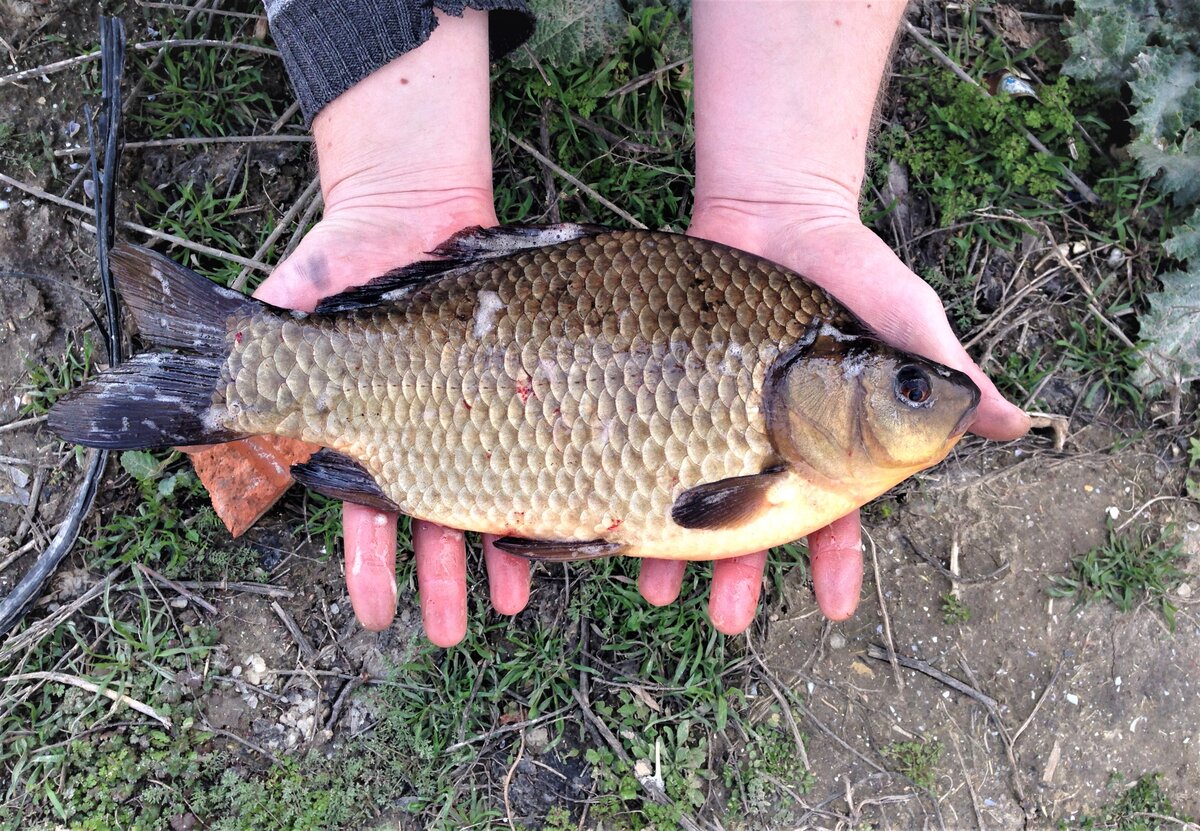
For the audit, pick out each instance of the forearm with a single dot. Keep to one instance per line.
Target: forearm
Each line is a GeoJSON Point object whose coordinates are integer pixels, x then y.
{"type": "Point", "coordinates": [785, 96]}
{"type": "Point", "coordinates": [414, 130]}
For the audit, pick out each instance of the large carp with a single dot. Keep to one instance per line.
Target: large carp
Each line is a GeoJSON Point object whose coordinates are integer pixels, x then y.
{"type": "Point", "coordinates": [577, 390]}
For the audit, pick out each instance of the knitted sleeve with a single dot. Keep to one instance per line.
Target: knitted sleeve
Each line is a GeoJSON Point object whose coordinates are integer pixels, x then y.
{"type": "Point", "coordinates": [330, 45]}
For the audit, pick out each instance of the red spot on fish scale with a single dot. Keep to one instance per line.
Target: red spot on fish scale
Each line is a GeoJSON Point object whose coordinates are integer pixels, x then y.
{"type": "Point", "coordinates": [616, 523]}
{"type": "Point", "coordinates": [524, 390]}
{"type": "Point", "coordinates": [466, 403]}
{"type": "Point", "coordinates": [238, 338]}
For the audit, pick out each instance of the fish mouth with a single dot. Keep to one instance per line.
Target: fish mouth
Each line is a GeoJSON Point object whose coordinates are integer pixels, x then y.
{"type": "Point", "coordinates": [968, 417]}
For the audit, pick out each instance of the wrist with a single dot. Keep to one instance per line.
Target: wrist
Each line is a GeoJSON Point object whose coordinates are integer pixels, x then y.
{"type": "Point", "coordinates": [413, 130]}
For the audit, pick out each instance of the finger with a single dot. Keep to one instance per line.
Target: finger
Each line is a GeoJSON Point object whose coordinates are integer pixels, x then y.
{"type": "Point", "coordinates": [508, 578]}
{"type": "Point", "coordinates": [659, 581]}
{"type": "Point", "coordinates": [835, 556]}
{"type": "Point", "coordinates": [370, 564]}
{"type": "Point", "coordinates": [736, 585]}
{"type": "Point", "coordinates": [441, 556]}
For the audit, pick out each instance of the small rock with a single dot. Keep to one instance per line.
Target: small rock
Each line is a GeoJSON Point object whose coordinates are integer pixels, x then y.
{"type": "Point", "coordinates": [179, 602]}
{"type": "Point", "coordinates": [1184, 590]}
{"type": "Point", "coordinates": [1072, 698]}
{"type": "Point", "coordinates": [537, 739]}
{"type": "Point", "coordinates": [256, 669]}
{"type": "Point", "coordinates": [837, 641]}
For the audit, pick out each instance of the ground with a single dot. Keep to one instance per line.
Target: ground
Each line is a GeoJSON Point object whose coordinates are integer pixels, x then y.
{"type": "Point", "coordinates": [1046, 711]}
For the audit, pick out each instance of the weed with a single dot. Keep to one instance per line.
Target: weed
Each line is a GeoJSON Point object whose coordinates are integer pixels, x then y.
{"type": "Point", "coordinates": [51, 380]}
{"type": "Point", "coordinates": [1126, 569]}
{"type": "Point", "coordinates": [771, 759]}
{"type": "Point", "coordinates": [916, 759]}
{"type": "Point", "coordinates": [954, 610]}
{"type": "Point", "coordinates": [1144, 807]}
{"type": "Point", "coordinates": [204, 91]}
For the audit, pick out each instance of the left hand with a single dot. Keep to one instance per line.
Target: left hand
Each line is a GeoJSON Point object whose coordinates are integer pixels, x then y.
{"type": "Point", "coordinates": [856, 266]}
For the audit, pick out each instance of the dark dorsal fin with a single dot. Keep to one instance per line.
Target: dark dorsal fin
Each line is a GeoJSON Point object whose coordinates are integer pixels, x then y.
{"type": "Point", "coordinates": [558, 551]}
{"type": "Point", "coordinates": [338, 476]}
{"type": "Point", "coordinates": [468, 246]}
{"type": "Point", "coordinates": [726, 503]}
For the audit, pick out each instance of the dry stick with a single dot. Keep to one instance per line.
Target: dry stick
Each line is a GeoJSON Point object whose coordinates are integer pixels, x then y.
{"type": "Point", "coordinates": [147, 45]}
{"type": "Point", "coordinates": [880, 654]}
{"type": "Point", "coordinates": [315, 205]}
{"type": "Point", "coordinates": [970, 787]}
{"type": "Point", "coordinates": [946, 61]}
{"type": "Point", "coordinates": [179, 7]}
{"type": "Point", "coordinates": [302, 202]}
{"type": "Point", "coordinates": [306, 649]}
{"type": "Point", "coordinates": [655, 793]}
{"type": "Point", "coordinates": [508, 781]}
{"type": "Point", "coordinates": [25, 422]}
{"type": "Point", "coordinates": [887, 623]}
{"type": "Point", "coordinates": [47, 69]}
{"type": "Point", "coordinates": [178, 588]}
{"type": "Point", "coordinates": [950, 575]}
{"type": "Point", "coordinates": [785, 708]}
{"type": "Point", "coordinates": [1041, 700]}
{"type": "Point", "coordinates": [1014, 772]}
{"type": "Point", "coordinates": [244, 743]}
{"type": "Point", "coordinates": [199, 140]}
{"type": "Point", "coordinates": [44, 627]}
{"type": "Point", "coordinates": [24, 549]}
{"type": "Point", "coordinates": [508, 728]}
{"type": "Point", "coordinates": [63, 678]}
{"type": "Point", "coordinates": [339, 703]}
{"type": "Point", "coordinates": [35, 496]}
{"type": "Point", "coordinates": [133, 226]}
{"type": "Point", "coordinates": [642, 80]}
{"type": "Point", "coordinates": [590, 191]}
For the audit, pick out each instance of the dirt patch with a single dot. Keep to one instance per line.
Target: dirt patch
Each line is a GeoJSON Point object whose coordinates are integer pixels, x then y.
{"type": "Point", "coordinates": [1097, 692]}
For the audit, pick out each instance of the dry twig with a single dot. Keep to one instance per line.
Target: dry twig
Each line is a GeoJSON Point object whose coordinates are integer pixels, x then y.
{"type": "Point", "coordinates": [74, 681]}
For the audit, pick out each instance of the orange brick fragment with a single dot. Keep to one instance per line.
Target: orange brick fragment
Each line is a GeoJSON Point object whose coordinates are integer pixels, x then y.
{"type": "Point", "coordinates": [245, 478]}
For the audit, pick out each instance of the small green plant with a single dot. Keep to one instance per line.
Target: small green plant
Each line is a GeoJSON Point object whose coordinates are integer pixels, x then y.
{"type": "Point", "coordinates": [51, 380]}
{"type": "Point", "coordinates": [916, 759]}
{"type": "Point", "coordinates": [1143, 807]}
{"type": "Point", "coordinates": [954, 610]}
{"type": "Point", "coordinates": [1125, 569]}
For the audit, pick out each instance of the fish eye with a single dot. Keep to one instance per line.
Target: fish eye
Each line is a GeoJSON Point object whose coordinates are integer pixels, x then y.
{"type": "Point", "coordinates": [913, 386]}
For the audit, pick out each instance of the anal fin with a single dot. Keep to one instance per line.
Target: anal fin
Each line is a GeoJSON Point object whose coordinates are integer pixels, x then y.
{"type": "Point", "coordinates": [338, 476]}
{"type": "Point", "coordinates": [726, 503]}
{"type": "Point", "coordinates": [558, 551]}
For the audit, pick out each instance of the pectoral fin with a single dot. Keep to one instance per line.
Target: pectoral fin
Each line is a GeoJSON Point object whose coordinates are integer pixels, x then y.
{"type": "Point", "coordinates": [558, 551]}
{"type": "Point", "coordinates": [338, 476]}
{"type": "Point", "coordinates": [726, 503]}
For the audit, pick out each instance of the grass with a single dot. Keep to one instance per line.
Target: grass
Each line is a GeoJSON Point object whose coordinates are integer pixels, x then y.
{"type": "Point", "coordinates": [48, 382]}
{"type": "Point", "coordinates": [1127, 570]}
{"type": "Point", "coordinates": [661, 680]}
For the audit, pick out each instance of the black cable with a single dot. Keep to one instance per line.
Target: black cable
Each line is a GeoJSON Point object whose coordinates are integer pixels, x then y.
{"type": "Point", "coordinates": [112, 62]}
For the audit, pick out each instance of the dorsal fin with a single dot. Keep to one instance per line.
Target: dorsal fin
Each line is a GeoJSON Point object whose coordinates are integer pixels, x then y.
{"type": "Point", "coordinates": [468, 246]}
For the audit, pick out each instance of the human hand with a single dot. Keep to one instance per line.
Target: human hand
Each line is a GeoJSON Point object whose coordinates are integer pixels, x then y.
{"type": "Point", "coordinates": [405, 162]}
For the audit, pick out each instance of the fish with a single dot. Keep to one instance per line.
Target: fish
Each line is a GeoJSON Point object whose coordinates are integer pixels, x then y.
{"type": "Point", "coordinates": [578, 391]}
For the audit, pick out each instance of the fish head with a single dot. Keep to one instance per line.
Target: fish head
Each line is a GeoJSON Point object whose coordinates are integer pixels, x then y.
{"type": "Point", "coordinates": [865, 414]}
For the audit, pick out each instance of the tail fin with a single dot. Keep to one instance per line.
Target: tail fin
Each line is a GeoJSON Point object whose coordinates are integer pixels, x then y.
{"type": "Point", "coordinates": [158, 399]}
{"type": "Point", "coordinates": [174, 306]}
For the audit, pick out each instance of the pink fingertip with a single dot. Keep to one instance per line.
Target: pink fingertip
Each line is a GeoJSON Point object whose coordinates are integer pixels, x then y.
{"type": "Point", "coordinates": [736, 587]}
{"type": "Point", "coordinates": [659, 581]}
{"type": "Point", "coordinates": [441, 557]}
{"type": "Point", "coordinates": [508, 578]}
{"type": "Point", "coordinates": [835, 557]}
{"type": "Point", "coordinates": [370, 538]}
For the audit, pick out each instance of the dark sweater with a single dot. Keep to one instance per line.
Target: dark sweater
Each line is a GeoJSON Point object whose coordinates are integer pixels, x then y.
{"type": "Point", "coordinates": [330, 45]}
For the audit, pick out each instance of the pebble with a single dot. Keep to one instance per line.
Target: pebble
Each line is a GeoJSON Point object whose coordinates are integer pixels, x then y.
{"type": "Point", "coordinates": [179, 602]}
{"type": "Point", "coordinates": [256, 668]}
{"type": "Point", "coordinates": [837, 641]}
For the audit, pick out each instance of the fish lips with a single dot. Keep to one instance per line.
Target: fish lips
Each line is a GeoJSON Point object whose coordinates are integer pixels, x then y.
{"type": "Point", "coordinates": [968, 417]}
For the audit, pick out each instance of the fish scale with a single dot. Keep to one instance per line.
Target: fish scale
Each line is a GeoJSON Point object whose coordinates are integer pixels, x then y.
{"type": "Point", "coordinates": [595, 397]}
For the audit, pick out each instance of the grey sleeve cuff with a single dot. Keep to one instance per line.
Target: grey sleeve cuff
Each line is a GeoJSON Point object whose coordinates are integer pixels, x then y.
{"type": "Point", "coordinates": [330, 45]}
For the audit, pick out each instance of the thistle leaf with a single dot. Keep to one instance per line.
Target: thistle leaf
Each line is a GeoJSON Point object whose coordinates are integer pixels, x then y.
{"type": "Point", "coordinates": [1166, 94]}
{"type": "Point", "coordinates": [1184, 243]}
{"type": "Point", "coordinates": [1179, 164]}
{"type": "Point", "coordinates": [1172, 326]}
{"type": "Point", "coordinates": [1105, 36]}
